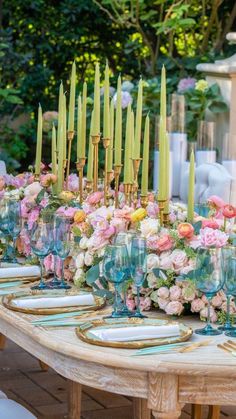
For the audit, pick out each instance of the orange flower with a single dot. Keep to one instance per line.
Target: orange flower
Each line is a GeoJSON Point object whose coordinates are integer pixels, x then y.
{"type": "Point", "coordinates": [185, 230]}
{"type": "Point", "coordinates": [79, 216]}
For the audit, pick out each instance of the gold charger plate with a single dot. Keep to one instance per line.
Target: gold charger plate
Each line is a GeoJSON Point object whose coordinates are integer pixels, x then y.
{"type": "Point", "coordinates": [7, 302]}
{"type": "Point", "coordinates": [20, 278]}
{"type": "Point", "coordinates": [83, 332]}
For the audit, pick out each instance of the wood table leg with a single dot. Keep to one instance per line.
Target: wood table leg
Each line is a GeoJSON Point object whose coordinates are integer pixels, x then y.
{"type": "Point", "coordinates": [2, 341]}
{"type": "Point", "coordinates": [214, 412]}
{"type": "Point", "coordinates": [163, 396]}
{"type": "Point", "coordinates": [196, 411]}
{"type": "Point", "coordinates": [140, 409]}
{"type": "Point", "coordinates": [43, 366]}
{"type": "Point", "coordinates": [75, 394]}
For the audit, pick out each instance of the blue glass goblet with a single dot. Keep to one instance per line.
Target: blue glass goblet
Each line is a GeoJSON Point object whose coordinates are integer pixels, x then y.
{"type": "Point", "coordinates": [116, 268]}
{"type": "Point", "coordinates": [209, 279]}
{"type": "Point", "coordinates": [62, 244]}
{"type": "Point", "coordinates": [229, 270]}
{"type": "Point", "coordinates": [14, 223]}
{"type": "Point", "coordinates": [138, 267]}
{"type": "Point", "coordinates": [4, 222]}
{"type": "Point", "coordinates": [41, 237]}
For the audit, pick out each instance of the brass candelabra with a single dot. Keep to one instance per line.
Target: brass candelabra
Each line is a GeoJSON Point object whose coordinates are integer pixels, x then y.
{"type": "Point", "coordinates": [80, 168]}
{"type": "Point", "coordinates": [136, 165]}
{"type": "Point", "coordinates": [89, 186]}
{"type": "Point", "coordinates": [106, 144]}
{"type": "Point", "coordinates": [117, 172]}
{"type": "Point", "coordinates": [128, 191]}
{"type": "Point", "coordinates": [95, 142]}
{"type": "Point", "coordinates": [70, 136]}
{"type": "Point", "coordinates": [161, 204]}
{"type": "Point", "coordinates": [144, 201]}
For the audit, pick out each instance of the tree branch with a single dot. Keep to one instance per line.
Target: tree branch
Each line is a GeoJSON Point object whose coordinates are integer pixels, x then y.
{"type": "Point", "coordinates": [227, 28]}
{"type": "Point", "coordinates": [216, 4]}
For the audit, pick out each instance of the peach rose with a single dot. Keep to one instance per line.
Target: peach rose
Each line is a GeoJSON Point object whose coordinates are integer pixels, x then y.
{"type": "Point", "coordinates": [175, 292]}
{"type": "Point", "coordinates": [185, 231]}
{"type": "Point", "coordinates": [48, 180]}
{"type": "Point", "coordinates": [165, 243]}
{"type": "Point", "coordinates": [162, 303]}
{"type": "Point", "coordinates": [163, 292]}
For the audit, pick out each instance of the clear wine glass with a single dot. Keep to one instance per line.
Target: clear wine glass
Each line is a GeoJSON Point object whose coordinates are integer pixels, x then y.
{"type": "Point", "coordinates": [116, 268]}
{"type": "Point", "coordinates": [14, 223]}
{"type": "Point", "coordinates": [209, 279]}
{"type": "Point", "coordinates": [62, 244]}
{"type": "Point", "coordinates": [138, 267]}
{"type": "Point", "coordinates": [41, 237]}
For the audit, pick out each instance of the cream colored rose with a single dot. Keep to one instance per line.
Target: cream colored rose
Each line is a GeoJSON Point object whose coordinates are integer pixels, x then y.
{"type": "Point", "coordinates": [33, 189]}
{"type": "Point", "coordinates": [88, 259]}
{"type": "Point", "coordinates": [152, 261]}
{"type": "Point", "coordinates": [79, 261]}
{"type": "Point", "coordinates": [83, 244]}
{"type": "Point", "coordinates": [149, 227]}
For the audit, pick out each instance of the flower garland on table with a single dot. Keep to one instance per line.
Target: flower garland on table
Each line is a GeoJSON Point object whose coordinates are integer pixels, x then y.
{"type": "Point", "coordinates": [171, 251]}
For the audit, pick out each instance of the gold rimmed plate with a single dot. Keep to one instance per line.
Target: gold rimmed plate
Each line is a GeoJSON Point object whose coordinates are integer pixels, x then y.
{"type": "Point", "coordinates": [8, 302]}
{"type": "Point", "coordinates": [85, 333]}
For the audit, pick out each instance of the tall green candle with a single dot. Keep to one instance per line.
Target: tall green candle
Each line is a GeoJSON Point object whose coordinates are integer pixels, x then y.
{"type": "Point", "coordinates": [162, 162]}
{"type": "Point", "coordinates": [191, 184]}
{"type": "Point", "coordinates": [60, 145]}
{"type": "Point", "coordinates": [106, 112]}
{"type": "Point", "coordinates": [163, 97]}
{"type": "Point", "coordinates": [84, 119]}
{"type": "Point", "coordinates": [138, 121]}
{"type": "Point", "coordinates": [96, 105]}
{"type": "Point", "coordinates": [90, 152]}
{"type": "Point", "coordinates": [110, 149]}
{"type": "Point", "coordinates": [118, 124]}
{"type": "Point", "coordinates": [79, 128]}
{"type": "Point", "coordinates": [145, 162]}
{"type": "Point", "coordinates": [39, 142]}
{"type": "Point", "coordinates": [132, 145]}
{"type": "Point", "coordinates": [71, 117]}
{"type": "Point", "coordinates": [60, 110]}
{"type": "Point", "coordinates": [167, 173]}
{"type": "Point", "coordinates": [128, 151]}
{"type": "Point", "coordinates": [54, 156]}
{"type": "Point", "coordinates": [64, 128]}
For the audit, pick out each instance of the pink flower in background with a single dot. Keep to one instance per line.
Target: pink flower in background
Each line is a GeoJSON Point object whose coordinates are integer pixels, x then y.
{"type": "Point", "coordinates": [33, 216]}
{"type": "Point", "coordinates": [145, 303]}
{"type": "Point", "coordinates": [216, 301]}
{"type": "Point", "coordinates": [152, 242]}
{"type": "Point", "coordinates": [33, 190]}
{"type": "Point", "coordinates": [174, 308]}
{"type": "Point", "coordinates": [213, 315]}
{"type": "Point", "coordinates": [123, 213]}
{"type": "Point", "coordinates": [48, 180]}
{"type": "Point", "coordinates": [119, 224]}
{"type": "Point", "coordinates": [197, 305]}
{"type": "Point", "coordinates": [152, 209]}
{"type": "Point", "coordinates": [213, 238]}
{"type": "Point", "coordinates": [211, 223]}
{"type": "Point", "coordinates": [67, 211]}
{"type": "Point", "coordinates": [130, 303]}
{"type": "Point", "coordinates": [25, 242]}
{"type": "Point", "coordinates": [163, 292]}
{"type": "Point", "coordinates": [195, 242]}
{"type": "Point", "coordinates": [95, 197]}
{"type": "Point", "coordinates": [165, 261]}
{"type": "Point", "coordinates": [179, 259]}
{"type": "Point", "coordinates": [49, 263]}
{"type": "Point", "coordinates": [73, 183]}
{"type": "Point", "coordinates": [175, 292]}
{"type": "Point", "coordinates": [162, 303]}
{"type": "Point", "coordinates": [186, 84]}
{"type": "Point", "coordinates": [216, 202]}
{"type": "Point", "coordinates": [165, 243]}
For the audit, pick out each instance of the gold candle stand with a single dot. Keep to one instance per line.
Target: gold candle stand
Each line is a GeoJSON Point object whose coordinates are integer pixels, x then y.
{"type": "Point", "coordinates": [117, 172]}
{"type": "Point", "coordinates": [80, 168]}
{"type": "Point", "coordinates": [89, 186]}
{"type": "Point", "coordinates": [161, 204]}
{"type": "Point", "coordinates": [106, 144]}
{"type": "Point", "coordinates": [128, 190]}
{"type": "Point", "coordinates": [136, 165]}
{"type": "Point", "coordinates": [144, 201]}
{"type": "Point", "coordinates": [95, 142]}
{"type": "Point", "coordinates": [70, 136]}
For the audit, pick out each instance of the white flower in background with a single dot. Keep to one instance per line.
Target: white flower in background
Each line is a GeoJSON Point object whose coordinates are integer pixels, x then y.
{"type": "Point", "coordinates": [79, 261]}
{"type": "Point", "coordinates": [149, 227]}
{"type": "Point", "coordinates": [127, 86]}
{"type": "Point", "coordinates": [83, 244]}
{"type": "Point", "coordinates": [152, 261]}
{"type": "Point", "coordinates": [126, 99]}
{"type": "Point", "coordinates": [88, 259]}
{"type": "Point", "coordinates": [33, 189]}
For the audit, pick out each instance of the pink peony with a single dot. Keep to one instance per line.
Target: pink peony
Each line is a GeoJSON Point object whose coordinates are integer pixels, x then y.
{"type": "Point", "coordinates": [174, 308]}
{"type": "Point", "coordinates": [163, 292]}
{"type": "Point", "coordinates": [175, 292]}
{"type": "Point", "coordinates": [197, 305]}
{"type": "Point", "coordinates": [165, 243]}
{"type": "Point", "coordinates": [95, 197]}
{"type": "Point", "coordinates": [213, 238]}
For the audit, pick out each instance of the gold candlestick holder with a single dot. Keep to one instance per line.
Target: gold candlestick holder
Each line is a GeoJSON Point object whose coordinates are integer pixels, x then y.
{"type": "Point", "coordinates": [144, 201]}
{"type": "Point", "coordinates": [106, 144]}
{"type": "Point", "coordinates": [80, 168]}
{"type": "Point", "coordinates": [117, 172]}
{"type": "Point", "coordinates": [128, 188]}
{"type": "Point", "coordinates": [136, 165]}
{"type": "Point", "coordinates": [95, 142]}
{"type": "Point", "coordinates": [161, 204]}
{"type": "Point", "coordinates": [89, 186]}
{"type": "Point", "coordinates": [166, 219]}
{"type": "Point", "coordinates": [70, 136]}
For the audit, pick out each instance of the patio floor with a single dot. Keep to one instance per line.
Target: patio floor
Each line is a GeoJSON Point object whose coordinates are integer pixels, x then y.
{"type": "Point", "coordinates": [45, 393]}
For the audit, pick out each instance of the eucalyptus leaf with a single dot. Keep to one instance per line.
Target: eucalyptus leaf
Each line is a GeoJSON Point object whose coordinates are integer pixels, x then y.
{"type": "Point", "coordinates": [92, 275]}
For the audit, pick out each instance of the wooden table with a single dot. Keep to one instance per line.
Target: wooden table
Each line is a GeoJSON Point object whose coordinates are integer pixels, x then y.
{"type": "Point", "coordinates": [166, 381]}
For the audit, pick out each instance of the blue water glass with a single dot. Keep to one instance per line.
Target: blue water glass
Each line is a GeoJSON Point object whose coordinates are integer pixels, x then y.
{"type": "Point", "coordinates": [7, 257]}
{"type": "Point", "coordinates": [55, 282]}
{"type": "Point", "coordinates": [41, 238]}
{"type": "Point", "coordinates": [14, 223]}
{"type": "Point", "coordinates": [62, 244]}
{"type": "Point", "coordinates": [116, 269]}
{"type": "Point", "coordinates": [202, 210]}
{"type": "Point", "coordinates": [209, 279]}
{"type": "Point", "coordinates": [138, 267]}
{"type": "Point", "coordinates": [229, 270]}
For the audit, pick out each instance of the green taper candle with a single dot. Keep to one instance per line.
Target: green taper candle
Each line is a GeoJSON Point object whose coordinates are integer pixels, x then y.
{"type": "Point", "coordinates": [90, 152]}
{"type": "Point", "coordinates": [64, 128]}
{"type": "Point", "coordinates": [71, 117]}
{"type": "Point", "coordinates": [138, 121]}
{"type": "Point", "coordinates": [118, 124]}
{"type": "Point", "coordinates": [110, 149]}
{"type": "Point", "coordinates": [162, 162]}
{"type": "Point", "coordinates": [145, 161]}
{"type": "Point", "coordinates": [191, 184]}
{"type": "Point", "coordinates": [96, 104]}
{"type": "Point", "coordinates": [128, 150]}
{"type": "Point", "coordinates": [39, 142]}
{"type": "Point", "coordinates": [167, 173]}
{"type": "Point", "coordinates": [60, 111]}
{"type": "Point", "coordinates": [54, 156]}
{"type": "Point", "coordinates": [132, 145]}
{"type": "Point", "coordinates": [84, 119]}
{"type": "Point", "coordinates": [79, 129]}
{"type": "Point", "coordinates": [106, 111]}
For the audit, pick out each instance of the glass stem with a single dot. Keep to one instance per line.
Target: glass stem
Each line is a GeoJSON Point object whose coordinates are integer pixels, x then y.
{"type": "Point", "coordinates": [228, 322]}
{"type": "Point", "coordinates": [208, 326]}
{"type": "Point", "coordinates": [14, 247]}
{"type": "Point", "coordinates": [116, 300]}
{"type": "Point", "coordinates": [138, 300]}
{"type": "Point", "coordinates": [62, 272]}
{"type": "Point", "coordinates": [41, 271]}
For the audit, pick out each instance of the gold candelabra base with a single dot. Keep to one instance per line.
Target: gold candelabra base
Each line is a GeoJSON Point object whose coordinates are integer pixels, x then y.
{"type": "Point", "coordinates": [106, 144]}
{"type": "Point", "coordinates": [117, 172]}
{"type": "Point", "coordinates": [136, 166]}
{"type": "Point", "coordinates": [89, 186]}
{"type": "Point", "coordinates": [80, 168]}
{"type": "Point", "coordinates": [128, 191]}
{"type": "Point", "coordinates": [166, 219]}
{"type": "Point", "coordinates": [161, 204]}
{"type": "Point", "coordinates": [95, 142]}
{"type": "Point", "coordinates": [70, 136]}
{"type": "Point", "coordinates": [144, 201]}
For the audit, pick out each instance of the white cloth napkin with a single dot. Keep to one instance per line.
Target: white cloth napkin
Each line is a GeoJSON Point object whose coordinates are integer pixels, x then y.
{"type": "Point", "coordinates": [50, 302]}
{"type": "Point", "coordinates": [123, 334]}
{"type": "Point", "coordinates": [20, 271]}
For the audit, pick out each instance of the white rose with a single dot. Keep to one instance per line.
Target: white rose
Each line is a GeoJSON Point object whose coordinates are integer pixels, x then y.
{"type": "Point", "coordinates": [151, 280]}
{"type": "Point", "coordinates": [79, 273]}
{"type": "Point", "coordinates": [149, 227]}
{"type": "Point", "coordinates": [152, 261]}
{"type": "Point", "coordinates": [79, 261]}
{"type": "Point", "coordinates": [179, 259]}
{"type": "Point", "coordinates": [101, 251]}
{"type": "Point", "coordinates": [33, 189]}
{"type": "Point", "coordinates": [165, 261]}
{"type": "Point", "coordinates": [88, 259]}
{"type": "Point", "coordinates": [83, 244]}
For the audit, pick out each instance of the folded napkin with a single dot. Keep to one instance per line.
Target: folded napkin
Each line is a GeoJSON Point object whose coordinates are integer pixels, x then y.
{"type": "Point", "coordinates": [50, 302]}
{"type": "Point", "coordinates": [123, 334]}
{"type": "Point", "coordinates": [19, 271]}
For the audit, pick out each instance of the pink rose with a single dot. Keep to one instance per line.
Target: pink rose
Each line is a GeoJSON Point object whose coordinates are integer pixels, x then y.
{"type": "Point", "coordinates": [163, 292]}
{"type": "Point", "coordinates": [175, 292]}
{"type": "Point", "coordinates": [165, 261]}
{"type": "Point", "coordinates": [174, 308]}
{"type": "Point", "coordinates": [165, 243]}
{"type": "Point", "coordinates": [152, 242]}
{"type": "Point", "coordinates": [145, 303]}
{"type": "Point", "coordinates": [213, 315]}
{"type": "Point", "coordinates": [123, 213]}
{"type": "Point", "coordinates": [213, 238]}
{"type": "Point", "coordinates": [211, 223]}
{"type": "Point", "coordinates": [162, 303]}
{"type": "Point", "coordinates": [216, 301]}
{"type": "Point", "coordinates": [179, 259]}
{"type": "Point", "coordinates": [95, 197]}
{"type": "Point", "coordinates": [197, 305]}
{"type": "Point", "coordinates": [216, 202]}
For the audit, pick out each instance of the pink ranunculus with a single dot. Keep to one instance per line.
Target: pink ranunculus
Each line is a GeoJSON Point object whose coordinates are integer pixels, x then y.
{"type": "Point", "coordinates": [211, 223]}
{"type": "Point", "coordinates": [162, 303]}
{"type": "Point", "coordinates": [185, 231]}
{"type": "Point", "coordinates": [123, 213]}
{"type": "Point", "coordinates": [152, 209]}
{"type": "Point", "coordinates": [213, 315]}
{"type": "Point", "coordinates": [175, 292]}
{"type": "Point", "coordinates": [2, 183]}
{"type": "Point", "coordinates": [197, 305]}
{"type": "Point", "coordinates": [174, 308]}
{"type": "Point", "coordinates": [179, 259]}
{"type": "Point", "coordinates": [95, 197]}
{"type": "Point", "coordinates": [229, 211]}
{"type": "Point", "coordinates": [145, 303]}
{"type": "Point", "coordinates": [213, 238]}
{"type": "Point", "coordinates": [165, 243]}
{"type": "Point", "coordinates": [163, 292]}
{"type": "Point", "coordinates": [216, 202]}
